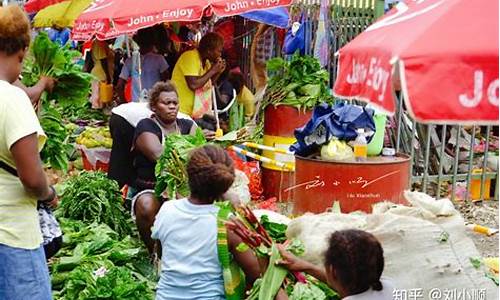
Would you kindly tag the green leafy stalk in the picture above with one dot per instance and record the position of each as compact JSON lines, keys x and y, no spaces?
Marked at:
{"x":56,"y":150}
{"x":170,"y":169}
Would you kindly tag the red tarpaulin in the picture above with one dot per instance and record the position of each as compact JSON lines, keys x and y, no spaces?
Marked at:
{"x":34,"y":6}
{"x":109,"y":18}
{"x":443,"y":54}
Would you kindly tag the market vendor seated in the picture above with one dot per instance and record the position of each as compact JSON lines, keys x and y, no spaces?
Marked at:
{"x":189,"y":235}
{"x":148,"y":147}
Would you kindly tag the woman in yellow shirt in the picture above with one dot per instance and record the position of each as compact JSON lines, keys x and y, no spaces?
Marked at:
{"x":197,"y":68}
{"x":103,"y":59}
{"x":23,"y":270}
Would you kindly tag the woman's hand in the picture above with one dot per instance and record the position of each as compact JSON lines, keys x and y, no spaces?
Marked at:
{"x":219,"y":66}
{"x":209,"y":134}
{"x":48,"y":83}
{"x":53,"y":204}
{"x":295,"y":264}
{"x":291,"y":262}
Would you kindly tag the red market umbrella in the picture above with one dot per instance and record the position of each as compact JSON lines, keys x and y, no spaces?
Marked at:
{"x":442,"y":53}
{"x":109,"y":18}
{"x":34,"y":6}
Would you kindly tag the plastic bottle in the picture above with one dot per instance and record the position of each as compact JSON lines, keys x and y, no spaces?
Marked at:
{"x":360,"y":145}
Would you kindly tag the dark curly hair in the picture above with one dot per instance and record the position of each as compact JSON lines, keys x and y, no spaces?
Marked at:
{"x":211,"y":173}
{"x":158,"y":88}
{"x":210,"y":41}
{"x":358,"y":260}
{"x":14,"y":30}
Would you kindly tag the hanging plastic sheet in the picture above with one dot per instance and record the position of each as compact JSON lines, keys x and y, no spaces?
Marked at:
{"x":321,"y":49}
{"x":328,"y":121}
{"x":277,"y":17}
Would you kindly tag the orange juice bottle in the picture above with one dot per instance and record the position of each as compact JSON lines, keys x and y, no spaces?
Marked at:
{"x":360,"y":145}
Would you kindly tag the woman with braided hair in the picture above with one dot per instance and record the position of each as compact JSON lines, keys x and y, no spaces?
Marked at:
{"x":189,"y":232}
{"x":354,"y":262}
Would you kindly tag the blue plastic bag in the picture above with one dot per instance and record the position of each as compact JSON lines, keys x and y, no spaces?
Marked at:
{"x":295,"y":42}
{"x":328,"y":121}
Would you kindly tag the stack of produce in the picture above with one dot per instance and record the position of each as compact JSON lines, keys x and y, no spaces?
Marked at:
{"x":262,"y":238}
{"x":93,"y":197}
{"x":300,"y":82}
{"x":95,"y":262}
{"x":171,"y":167}
{"x":95,"y":137}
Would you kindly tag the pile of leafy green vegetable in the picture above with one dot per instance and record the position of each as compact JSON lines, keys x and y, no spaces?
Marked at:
{"x":56,"y":150}
{"x":170,"y":170}
{"x":93,"y":197}
{"x":262,"y":237}
{"x":299,"y":82}
{"x":82,"y":113}
{"x":47,"y":58}
{"x":95,"y":262}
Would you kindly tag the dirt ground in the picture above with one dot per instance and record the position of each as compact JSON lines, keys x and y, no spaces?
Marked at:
{"x":483,"y":213}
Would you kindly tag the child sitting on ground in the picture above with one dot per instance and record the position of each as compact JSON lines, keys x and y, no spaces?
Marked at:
{"x":354,"y":263}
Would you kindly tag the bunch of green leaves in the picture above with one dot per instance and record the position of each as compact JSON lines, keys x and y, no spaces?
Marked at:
{"x":236,"y":117}
{"x":56,"y":150}
{"x":92,"y":197}
{"x":299,"y":82}
{"x":277,"y":231}
{"x":96,"y":263}
{"x":272,"y":279}
{"x":78,"y":112}
{"x":47,"y":58}
{"x":171,"y":175}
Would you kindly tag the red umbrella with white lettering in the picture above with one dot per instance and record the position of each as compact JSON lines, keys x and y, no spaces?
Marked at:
{"x":109,"y":18}
{"x":442,"y":53}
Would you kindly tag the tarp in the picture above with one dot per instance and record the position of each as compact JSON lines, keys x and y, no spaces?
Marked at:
{"x":277,"y":17}
{"x":329,"y":121}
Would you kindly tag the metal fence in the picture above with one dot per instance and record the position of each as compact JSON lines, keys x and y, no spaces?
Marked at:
{"x":445,"y":159}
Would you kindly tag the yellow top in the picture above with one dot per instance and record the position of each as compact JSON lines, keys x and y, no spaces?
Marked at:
{"x":246,"y":98}
{"x":188,"y":64}
{"x":19,"y":225}
{"x":100,"y":51}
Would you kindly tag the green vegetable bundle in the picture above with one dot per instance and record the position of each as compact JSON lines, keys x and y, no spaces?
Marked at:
{"x":47,"y":58}
{"x":170,"y":170}
{"x":56,"y":150}
{"x":300,"y":82}
{"x":92,"y":197}
{"x":262,"y":238}
{"x":96,"y":263}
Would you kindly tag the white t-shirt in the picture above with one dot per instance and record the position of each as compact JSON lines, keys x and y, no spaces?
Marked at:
{"x":385,"y":294}
{"x":134,"y":112}
{"x":190,"y":263}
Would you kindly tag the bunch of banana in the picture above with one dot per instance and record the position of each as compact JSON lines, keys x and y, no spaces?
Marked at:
{"x":95,"y":137}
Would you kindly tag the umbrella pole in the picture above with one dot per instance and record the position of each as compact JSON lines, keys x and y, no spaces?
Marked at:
{"x":127,"y":44}
{"x":218,"y":131}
